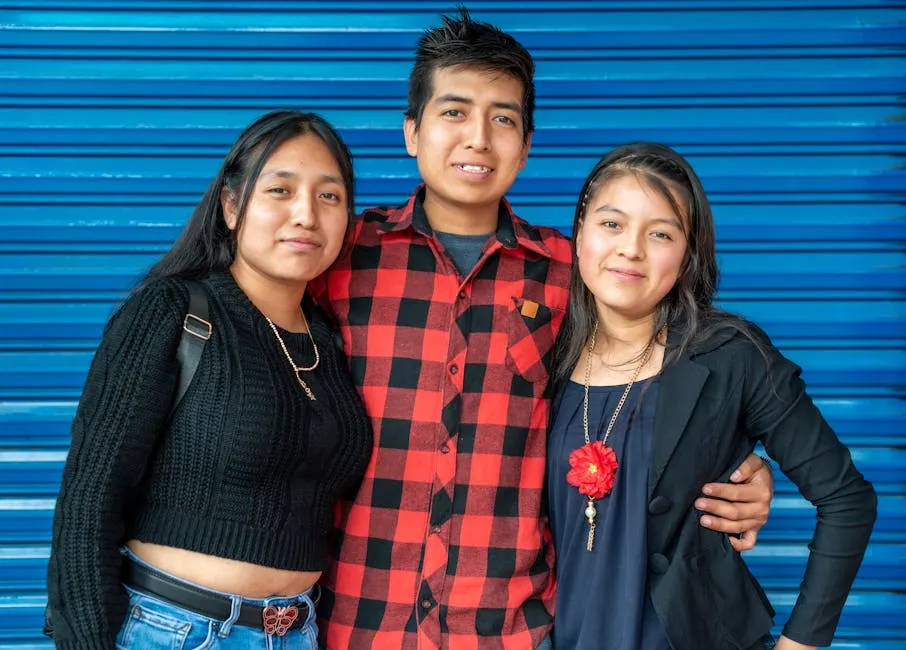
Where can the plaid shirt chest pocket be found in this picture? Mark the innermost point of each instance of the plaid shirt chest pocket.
(531, 330)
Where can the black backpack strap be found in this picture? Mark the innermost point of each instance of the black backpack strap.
(196, 330)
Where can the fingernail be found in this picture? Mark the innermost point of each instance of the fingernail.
(707, 489)
(700, 504)
(735, 476)
(706, 521)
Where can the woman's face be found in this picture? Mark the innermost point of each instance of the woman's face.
(630, 247)
(296, 218)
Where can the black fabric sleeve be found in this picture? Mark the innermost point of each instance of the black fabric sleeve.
(124, 407)
(780, 413)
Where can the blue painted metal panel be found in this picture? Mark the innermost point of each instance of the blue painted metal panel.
(113, 115)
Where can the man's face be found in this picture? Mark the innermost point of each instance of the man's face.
(470, 144)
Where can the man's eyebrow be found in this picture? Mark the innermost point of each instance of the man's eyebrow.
(454, 99)
(459, 99)
(508, 106)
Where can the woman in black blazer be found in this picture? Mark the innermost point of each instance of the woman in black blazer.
(661, 393)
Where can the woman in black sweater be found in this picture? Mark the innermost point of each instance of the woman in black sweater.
(179, 527)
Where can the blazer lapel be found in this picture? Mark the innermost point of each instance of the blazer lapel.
(681, 384)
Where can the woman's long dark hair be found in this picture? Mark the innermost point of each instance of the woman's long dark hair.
(206, 244)
(687, 309)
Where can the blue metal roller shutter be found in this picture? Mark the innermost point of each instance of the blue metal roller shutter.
(114, 114)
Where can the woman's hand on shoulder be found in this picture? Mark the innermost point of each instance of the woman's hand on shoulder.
(788, 644)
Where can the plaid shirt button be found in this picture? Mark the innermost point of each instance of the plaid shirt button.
(454, 369)
(445, 449)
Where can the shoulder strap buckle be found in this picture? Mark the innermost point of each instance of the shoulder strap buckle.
(197, 326)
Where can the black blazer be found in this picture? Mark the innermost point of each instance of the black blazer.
(713, 405)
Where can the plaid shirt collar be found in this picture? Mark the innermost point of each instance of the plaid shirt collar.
(511, 230)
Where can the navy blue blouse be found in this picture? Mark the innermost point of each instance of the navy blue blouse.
(603, 601)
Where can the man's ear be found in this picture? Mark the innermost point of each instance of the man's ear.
(410, 130)
(525, 151)
(230, 212)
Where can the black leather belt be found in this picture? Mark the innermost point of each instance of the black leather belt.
(271, 619)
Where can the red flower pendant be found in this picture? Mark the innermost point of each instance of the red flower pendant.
(593, 469)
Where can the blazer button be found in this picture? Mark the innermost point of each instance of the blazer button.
(658, 563)
(659, 505)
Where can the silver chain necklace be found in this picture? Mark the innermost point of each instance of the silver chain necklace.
(591, 511)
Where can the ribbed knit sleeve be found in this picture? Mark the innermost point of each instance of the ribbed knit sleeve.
(125, 403)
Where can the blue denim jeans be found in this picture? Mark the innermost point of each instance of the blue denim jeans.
(154, 623)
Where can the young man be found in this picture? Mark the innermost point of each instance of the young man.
(449, 306)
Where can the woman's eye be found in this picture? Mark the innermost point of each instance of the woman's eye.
(277, 190)
(662, 235)
(610, 224)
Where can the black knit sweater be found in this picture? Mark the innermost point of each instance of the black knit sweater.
(247, 467)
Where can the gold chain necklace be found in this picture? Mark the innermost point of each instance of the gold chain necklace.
(590, 511)
(298, 369)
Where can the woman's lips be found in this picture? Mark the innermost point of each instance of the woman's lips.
(626, 274)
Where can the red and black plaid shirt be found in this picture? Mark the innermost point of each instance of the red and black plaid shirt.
(446, 544)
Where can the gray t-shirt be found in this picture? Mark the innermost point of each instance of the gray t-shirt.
(464, 250)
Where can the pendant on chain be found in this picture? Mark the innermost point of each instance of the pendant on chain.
(590, 514)
(304, 386)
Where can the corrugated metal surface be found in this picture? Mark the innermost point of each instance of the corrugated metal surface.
(114, 114)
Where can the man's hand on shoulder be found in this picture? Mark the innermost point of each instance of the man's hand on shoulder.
(741, 507)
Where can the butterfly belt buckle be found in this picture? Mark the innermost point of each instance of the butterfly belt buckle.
(278, 620)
